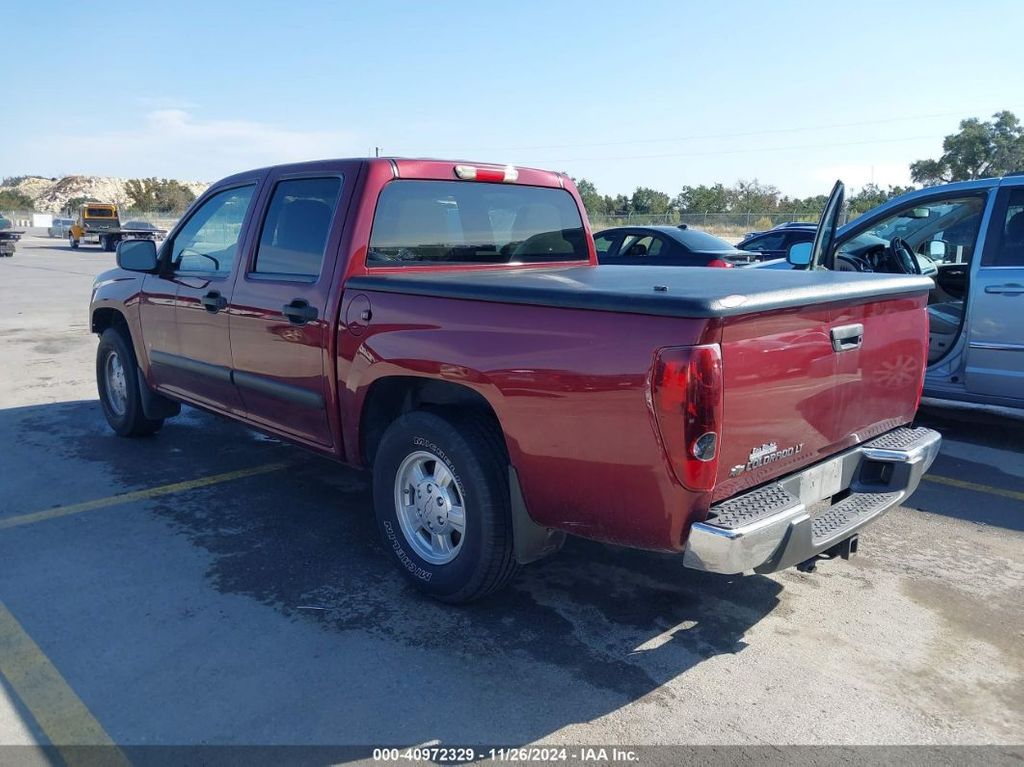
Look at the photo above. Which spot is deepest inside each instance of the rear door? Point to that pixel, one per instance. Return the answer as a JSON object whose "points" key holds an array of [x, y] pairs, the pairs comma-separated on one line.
{"points": [[995, 322], [280, 323]]}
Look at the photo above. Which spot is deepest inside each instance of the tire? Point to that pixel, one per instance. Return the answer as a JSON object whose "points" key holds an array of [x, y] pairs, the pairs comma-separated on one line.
{"points": [[72, 242], [117, 379], [470, 453]]}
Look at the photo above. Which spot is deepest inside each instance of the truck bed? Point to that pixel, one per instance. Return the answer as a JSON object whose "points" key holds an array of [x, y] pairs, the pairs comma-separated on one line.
{"points": [[654, 290]]}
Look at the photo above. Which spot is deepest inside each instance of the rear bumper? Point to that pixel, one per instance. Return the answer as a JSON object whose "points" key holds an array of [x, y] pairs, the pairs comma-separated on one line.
{"points": [[796, 517]]}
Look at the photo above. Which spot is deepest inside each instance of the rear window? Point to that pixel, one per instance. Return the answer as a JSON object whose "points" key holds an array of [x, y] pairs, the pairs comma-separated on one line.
{"points": [[695, 239], [468, 222], [99, 213]]}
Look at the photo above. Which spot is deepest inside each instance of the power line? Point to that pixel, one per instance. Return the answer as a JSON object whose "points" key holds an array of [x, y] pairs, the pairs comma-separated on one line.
{"points": [[703, 137], [746, 150]]}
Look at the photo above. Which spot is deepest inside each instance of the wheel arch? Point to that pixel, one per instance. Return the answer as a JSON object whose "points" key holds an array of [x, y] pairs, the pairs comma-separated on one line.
{"points": [[391, 396]]}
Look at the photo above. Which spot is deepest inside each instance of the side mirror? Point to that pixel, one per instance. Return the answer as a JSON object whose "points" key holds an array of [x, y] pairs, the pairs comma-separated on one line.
{"points": [[936, 249], [137, 255], [799, 253]]}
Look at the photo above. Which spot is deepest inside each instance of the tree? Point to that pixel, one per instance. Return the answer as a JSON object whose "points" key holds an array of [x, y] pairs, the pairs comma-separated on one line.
{"points": [[646, 200], [753, 197], [871, 196], [977, 150], [702, 199], [12, 199], [592, 200], [75, 203], [163, 196]]}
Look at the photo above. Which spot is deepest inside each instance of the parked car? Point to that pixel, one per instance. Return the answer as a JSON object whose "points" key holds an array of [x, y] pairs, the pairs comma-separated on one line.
{"points": [[969, 238], [666, 246], [8, 237], [448, 326], [139, 229], [775, 243], [60, 227]]}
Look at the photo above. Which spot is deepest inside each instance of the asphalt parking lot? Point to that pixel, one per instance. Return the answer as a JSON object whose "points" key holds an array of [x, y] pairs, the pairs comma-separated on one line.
{"points": [[213, 586]]}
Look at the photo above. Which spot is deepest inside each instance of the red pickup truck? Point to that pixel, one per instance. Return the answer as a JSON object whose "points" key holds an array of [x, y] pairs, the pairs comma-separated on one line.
{"points": [[447, 325]]}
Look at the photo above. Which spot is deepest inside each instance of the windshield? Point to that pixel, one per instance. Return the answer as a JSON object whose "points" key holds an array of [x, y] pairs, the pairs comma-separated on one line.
{"points": [[424, 222], [945, 220], [694, 239]]}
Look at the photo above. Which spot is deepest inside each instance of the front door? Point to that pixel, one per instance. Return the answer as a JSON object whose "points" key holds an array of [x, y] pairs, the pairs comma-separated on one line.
{"points": [[995, 354], [202, 262], [280, 322]]}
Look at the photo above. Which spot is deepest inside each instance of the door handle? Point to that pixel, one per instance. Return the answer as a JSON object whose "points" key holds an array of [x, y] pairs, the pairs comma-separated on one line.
{"points": [[847, 337], [213, 301], [299, 312], [1010, 289]]}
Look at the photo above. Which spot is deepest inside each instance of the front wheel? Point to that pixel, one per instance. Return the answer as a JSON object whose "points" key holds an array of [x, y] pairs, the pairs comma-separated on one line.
{"points": [[441, 496], [117, 378]]}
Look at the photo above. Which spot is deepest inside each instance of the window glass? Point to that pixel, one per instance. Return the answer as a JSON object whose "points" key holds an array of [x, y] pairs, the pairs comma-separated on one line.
{"points": [[208, 240], [296, 226], [767, 242], [694, 239], [604, 244], [952, 223], [638, 246], [1008, 249], [99, 213], [425, 222]]}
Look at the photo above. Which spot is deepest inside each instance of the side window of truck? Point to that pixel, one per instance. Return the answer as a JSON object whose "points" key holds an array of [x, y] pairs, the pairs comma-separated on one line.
{"points": [[296, 227], [208, 240]]}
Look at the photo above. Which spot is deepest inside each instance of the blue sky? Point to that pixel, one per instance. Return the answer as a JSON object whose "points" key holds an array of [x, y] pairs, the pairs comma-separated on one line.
{"points": [[658, 94]]}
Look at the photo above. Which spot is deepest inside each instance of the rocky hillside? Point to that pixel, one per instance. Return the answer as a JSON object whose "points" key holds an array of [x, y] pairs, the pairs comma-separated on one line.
{"points": [[51, 196]]}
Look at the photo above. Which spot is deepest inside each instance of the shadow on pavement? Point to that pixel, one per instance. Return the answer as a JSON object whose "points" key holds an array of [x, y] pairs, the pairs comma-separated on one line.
{"points": [[981, 449], [264, 610]]}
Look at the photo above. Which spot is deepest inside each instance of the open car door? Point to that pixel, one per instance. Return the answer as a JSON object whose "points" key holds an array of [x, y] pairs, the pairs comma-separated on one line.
{"points": [[824, 239]]}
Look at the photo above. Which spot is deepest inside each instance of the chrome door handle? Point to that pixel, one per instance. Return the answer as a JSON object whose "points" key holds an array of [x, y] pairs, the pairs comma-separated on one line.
{"points": [[1010, 289], [847, 337]]}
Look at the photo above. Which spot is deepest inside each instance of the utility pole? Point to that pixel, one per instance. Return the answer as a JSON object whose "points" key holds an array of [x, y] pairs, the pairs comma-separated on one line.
{"points": [[377, 150]]}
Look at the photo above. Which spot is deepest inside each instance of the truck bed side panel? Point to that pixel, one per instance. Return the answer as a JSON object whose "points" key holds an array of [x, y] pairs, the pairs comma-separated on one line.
{"points": [[570, 389]]}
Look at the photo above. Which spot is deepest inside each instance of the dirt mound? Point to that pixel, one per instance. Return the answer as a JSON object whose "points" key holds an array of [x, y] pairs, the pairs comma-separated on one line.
{"points": [[51, 196]]}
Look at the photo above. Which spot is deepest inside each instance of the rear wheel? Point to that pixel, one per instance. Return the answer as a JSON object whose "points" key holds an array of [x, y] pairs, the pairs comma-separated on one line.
{"points": [[117, 379], [441, 496]]}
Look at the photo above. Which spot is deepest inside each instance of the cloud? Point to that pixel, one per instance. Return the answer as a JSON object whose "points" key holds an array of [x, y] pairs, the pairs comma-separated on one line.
{"points": [[175, 143]]}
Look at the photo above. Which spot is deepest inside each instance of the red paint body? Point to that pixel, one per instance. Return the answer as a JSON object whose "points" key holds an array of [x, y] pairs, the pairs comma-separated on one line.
{"points": [[570, 387]]}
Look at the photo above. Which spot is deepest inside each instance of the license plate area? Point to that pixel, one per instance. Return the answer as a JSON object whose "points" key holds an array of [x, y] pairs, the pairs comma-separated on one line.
{"points": [[819, 483]]}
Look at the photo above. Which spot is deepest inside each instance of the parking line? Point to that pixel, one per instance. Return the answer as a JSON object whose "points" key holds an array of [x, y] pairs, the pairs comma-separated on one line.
{"points": [[138, 495], [59, 712], [978, 488]]}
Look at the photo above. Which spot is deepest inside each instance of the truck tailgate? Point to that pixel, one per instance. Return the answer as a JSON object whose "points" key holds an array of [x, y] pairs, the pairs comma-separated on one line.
{"points": [[804, 383]]}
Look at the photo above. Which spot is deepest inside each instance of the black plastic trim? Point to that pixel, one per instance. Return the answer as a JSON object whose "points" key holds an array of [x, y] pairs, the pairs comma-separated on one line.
{"points": [[216, 372], [294, 394], [689, 291]]}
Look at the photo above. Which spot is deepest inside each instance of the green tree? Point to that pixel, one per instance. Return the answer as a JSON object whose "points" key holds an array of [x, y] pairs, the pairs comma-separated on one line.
{"points": [[977, 150], [702, 199], [75, 203], [592, 200], [160, 196], [647, 200], [12, 199], [871, 196], [753, 197]]}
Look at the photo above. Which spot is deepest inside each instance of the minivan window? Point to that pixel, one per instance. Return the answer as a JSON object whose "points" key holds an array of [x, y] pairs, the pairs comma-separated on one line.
{"points": [[467, 222], [296, 226]]}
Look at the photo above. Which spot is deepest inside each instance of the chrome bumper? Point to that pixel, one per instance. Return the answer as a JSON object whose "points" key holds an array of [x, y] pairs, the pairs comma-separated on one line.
{"points": [[774, 526]]}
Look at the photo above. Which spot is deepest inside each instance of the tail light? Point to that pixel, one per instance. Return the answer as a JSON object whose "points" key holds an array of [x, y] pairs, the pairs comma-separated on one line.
{"points": [[719, 263], [686, 392]]}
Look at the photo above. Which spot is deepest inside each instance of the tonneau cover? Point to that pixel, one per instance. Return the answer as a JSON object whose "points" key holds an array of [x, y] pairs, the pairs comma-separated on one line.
{"points": [[656, 290]]}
